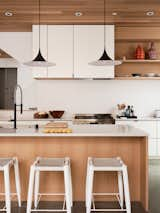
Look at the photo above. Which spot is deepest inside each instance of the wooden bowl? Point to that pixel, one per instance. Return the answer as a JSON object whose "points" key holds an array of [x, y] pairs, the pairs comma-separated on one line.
{"points": [[56, 113], [41, 115]]}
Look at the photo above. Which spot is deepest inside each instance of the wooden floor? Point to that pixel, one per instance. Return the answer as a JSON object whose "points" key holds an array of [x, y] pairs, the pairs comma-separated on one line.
{"points": [[79, 207]]}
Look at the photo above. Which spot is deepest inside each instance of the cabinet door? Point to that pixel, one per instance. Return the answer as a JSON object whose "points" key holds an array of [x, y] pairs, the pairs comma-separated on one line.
{"points": [[158, 129], [153, 148], [88, 47], [60, 51], [148, 126], [39, 72]]}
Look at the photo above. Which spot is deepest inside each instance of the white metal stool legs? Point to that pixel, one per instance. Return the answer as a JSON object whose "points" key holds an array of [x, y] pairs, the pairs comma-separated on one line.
{"points": [[30, 189], [70, 185], [120, 187], [126, 190], [108, 165], [89, 190], [67, 189], [7, 189], [36, 188], [50, 165], [17, 180], [5, 164]]}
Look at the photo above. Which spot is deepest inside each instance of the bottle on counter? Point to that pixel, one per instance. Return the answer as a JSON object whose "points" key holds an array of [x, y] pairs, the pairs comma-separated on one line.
{"points": [[128, 111]]}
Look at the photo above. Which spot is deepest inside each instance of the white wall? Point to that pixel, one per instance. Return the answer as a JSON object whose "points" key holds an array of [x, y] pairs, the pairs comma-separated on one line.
{"points": [[77, 96]]}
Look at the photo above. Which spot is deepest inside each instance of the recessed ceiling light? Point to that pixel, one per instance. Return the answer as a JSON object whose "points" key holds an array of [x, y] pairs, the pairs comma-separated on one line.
{"points": [[8, 13], [114, 14], [150, 13], [78, 13]]}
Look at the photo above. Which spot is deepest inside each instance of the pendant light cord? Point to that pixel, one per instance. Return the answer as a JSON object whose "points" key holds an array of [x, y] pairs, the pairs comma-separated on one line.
{"points": [[104, 16], [39, 20]]}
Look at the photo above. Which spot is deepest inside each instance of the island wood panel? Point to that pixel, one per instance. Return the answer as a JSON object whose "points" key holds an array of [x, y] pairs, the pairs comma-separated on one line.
{"points": [[132, 150]]}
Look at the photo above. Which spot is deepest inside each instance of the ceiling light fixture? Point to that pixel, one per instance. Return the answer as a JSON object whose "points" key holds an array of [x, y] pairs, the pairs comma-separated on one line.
{"points": [[78, 14], [114, 14], [39, 60], [150, 13], [8, 13], [105, 59]]}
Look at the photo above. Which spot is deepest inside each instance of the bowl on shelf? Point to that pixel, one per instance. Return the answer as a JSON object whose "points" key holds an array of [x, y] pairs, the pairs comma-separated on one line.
{"points": [[150, 74], [136, 74], [56, 113]]}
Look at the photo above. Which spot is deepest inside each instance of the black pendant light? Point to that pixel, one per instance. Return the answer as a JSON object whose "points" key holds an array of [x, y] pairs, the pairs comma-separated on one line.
{"points": [[39, 60], [105, 60]]}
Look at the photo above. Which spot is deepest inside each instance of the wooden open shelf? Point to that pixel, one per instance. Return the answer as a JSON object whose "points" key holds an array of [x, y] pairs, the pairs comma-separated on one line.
{"points": [[140, 61], [137, 78]]}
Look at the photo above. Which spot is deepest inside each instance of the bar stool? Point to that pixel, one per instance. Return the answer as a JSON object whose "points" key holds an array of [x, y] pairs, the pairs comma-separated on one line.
{"points": [[5, 164], [52, 165], [108, 165]]}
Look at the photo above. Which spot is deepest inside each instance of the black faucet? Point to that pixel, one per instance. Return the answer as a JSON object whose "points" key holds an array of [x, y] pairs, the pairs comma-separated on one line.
{"points": [[15, 104]]}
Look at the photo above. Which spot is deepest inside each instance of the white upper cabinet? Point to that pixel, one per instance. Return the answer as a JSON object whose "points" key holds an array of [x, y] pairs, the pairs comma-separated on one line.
{"points": [[72, 48], [39, 71], [60, 51], [88, 47]]}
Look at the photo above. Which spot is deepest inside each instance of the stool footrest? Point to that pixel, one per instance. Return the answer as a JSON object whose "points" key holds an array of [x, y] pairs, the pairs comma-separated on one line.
{"points": [[51, 194], [109, 210], [48, 210], [105, 194]]}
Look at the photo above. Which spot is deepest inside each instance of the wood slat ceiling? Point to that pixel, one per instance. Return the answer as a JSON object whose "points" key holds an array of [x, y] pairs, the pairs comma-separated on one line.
{"points": [[129, 13]]}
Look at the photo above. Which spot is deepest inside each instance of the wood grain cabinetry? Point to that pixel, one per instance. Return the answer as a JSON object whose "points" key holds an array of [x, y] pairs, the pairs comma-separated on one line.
{"points": [[127, 39]]}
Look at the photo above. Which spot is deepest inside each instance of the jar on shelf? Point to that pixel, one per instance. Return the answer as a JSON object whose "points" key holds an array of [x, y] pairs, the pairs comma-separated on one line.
{"points": [[152, 53], [140, 53]]}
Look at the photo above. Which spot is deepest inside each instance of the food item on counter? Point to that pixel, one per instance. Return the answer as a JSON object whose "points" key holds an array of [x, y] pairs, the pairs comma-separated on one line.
{"points": [[140, 53], [39, 115], [121, 106], [57, 130], [152, 53], [56, 113], [56, 125]]}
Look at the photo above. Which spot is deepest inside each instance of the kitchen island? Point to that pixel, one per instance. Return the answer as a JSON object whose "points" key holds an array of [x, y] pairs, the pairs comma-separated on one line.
{"points": [[127, 142]]}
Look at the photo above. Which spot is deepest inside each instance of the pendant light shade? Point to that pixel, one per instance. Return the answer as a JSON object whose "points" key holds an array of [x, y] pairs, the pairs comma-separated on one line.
{"points": [[39, 60], [105, 60]]}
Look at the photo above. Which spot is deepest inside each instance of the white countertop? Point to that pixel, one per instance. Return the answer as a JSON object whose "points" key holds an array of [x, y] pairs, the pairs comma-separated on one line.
{"points": [[78, 131], [139, 119]]}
